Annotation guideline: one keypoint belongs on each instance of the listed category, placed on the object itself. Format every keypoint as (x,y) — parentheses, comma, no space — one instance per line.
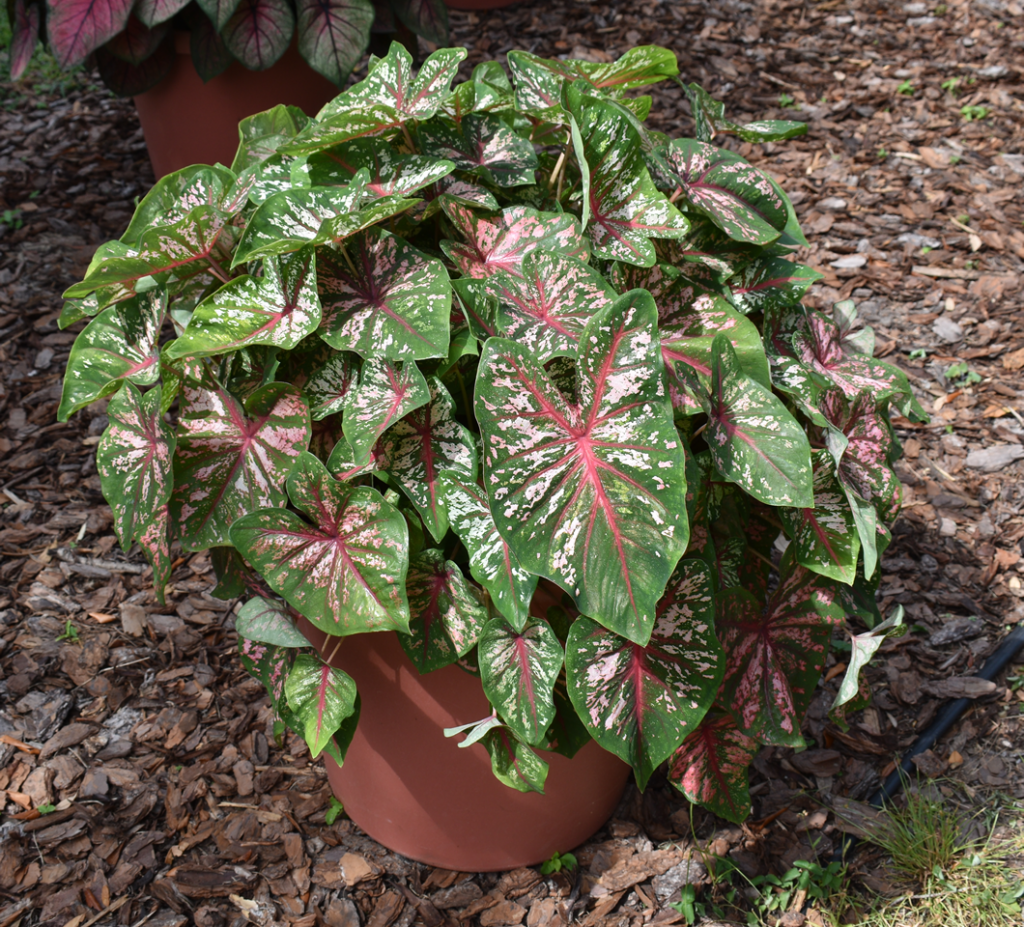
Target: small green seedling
(918,354)
(941,9)
(331,814)
(557,863)
(950,85)
(46,808)
(973,113)
(962,374)
(906,89)
(688,906)
(963,219)
(786,101)
(955,159)
(882,154)
(70,633)
(12,218)
(926,249)
(970,265)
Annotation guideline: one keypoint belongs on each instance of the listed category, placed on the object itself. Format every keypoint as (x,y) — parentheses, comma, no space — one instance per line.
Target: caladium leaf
(321,698)
(329,386)
(770,283)
(259,31)
(492,243)
(710,768)
(391,173)
(232,458)
(709,247)
(128,80)
(709,115)
(862,648)
(482,144)
(639,702)
(775,653)
(151,12)
(420,446)
(388,390)
(219,11)
(734,194)
(137,41)
(824,537)
(260,135)
(119,344)
(567,734)
(345,567)
(491,561)
(513,762)
(518,669)
(175,195)
(210,56)
(427,18)
(333,34)
(754,441)
(233,576)
(591,495)
(267,621)
(547,304)
(24,35)
(270,665)
(393,302)
(448,612)
(853,340)
(78,27)
(279,309)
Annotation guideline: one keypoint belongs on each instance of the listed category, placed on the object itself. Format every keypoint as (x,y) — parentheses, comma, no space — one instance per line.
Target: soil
(168,800)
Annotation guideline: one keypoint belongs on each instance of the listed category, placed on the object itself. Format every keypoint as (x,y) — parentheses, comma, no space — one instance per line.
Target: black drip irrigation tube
(999,660)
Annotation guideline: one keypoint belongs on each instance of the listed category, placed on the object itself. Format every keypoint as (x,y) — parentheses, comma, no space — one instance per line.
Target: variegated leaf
(76,28)
(591,495)
(127,79)
(392,302)
(547,304)
(824,537)
(152,12)
(708,246)
(775,652)
(427,18)
(770,283)
(25,17)
(119,345)
(262,134)
(219,11)
(333,34)
(420,446)
(754,441)
(391,173)
(259,31)
(267,621)
(344,564)
(492,243)
(270,665)
(330,385)
(518,669)
(278,308)
(639,702)
(448,612)
(515,763)
(482,144)
(341,462)
(321,698)
(137,41)
(232,459)
(709,114)
(710,768)
(175,195)
(210,56)
(491,561)
(388,390)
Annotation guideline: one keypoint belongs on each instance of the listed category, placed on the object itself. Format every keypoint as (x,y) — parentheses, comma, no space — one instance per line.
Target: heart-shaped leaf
(639,702)
(546,306)
(775,653)
(345,567)
(710,768)
(734,194)
(492,243)
(78,27)
(137,41)
(219,11)
(388,390)
(25,17)
(491,561)
(129,80)
(333,34)
(151,12)
(590,495)
(391,173)
(709,115)
(175,195)
(420,446)
(769,283)
(262,134)
(210,56)
(279,308)
(119,344)
(427,18)
(270,665)
(267,621)
(513,762)
(448,612)
(259,31)
(232,459)
(329,386)
(484,145)
(754,441)
(392,302)
(708,246)
(321,698)
(825,537)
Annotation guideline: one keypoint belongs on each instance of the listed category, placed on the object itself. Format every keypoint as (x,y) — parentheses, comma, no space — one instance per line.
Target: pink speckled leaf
(710,768)
(484,145)
(333,34)
(388,390)
(546,306)
(259,31)
(391,172)
(591,495)
(491,561)
(514,762)
(519,669)
(232,459)
(491,243)
(397,305)
(152,12)
(770,282)
(218,11)
(448,612)
(640,702)
(420,446)
(119,344)
(709,247)
(343,565)
(320,697)
(269,664)
(754,441)
(78,27)
(175,195)
(824,537)
(734,194)
(329,386)
(24,35)
(268,622)
(775,653)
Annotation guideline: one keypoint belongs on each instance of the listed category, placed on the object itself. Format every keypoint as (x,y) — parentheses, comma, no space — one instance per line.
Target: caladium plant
(448,353)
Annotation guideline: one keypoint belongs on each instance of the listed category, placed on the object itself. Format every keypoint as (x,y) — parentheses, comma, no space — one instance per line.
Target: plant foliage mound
(397,365)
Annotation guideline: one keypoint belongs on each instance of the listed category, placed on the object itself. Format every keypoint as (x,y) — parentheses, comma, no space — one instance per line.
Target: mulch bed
(172,802)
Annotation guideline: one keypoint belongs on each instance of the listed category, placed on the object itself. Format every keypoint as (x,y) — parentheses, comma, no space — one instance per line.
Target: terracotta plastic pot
(421,795)
(188,122)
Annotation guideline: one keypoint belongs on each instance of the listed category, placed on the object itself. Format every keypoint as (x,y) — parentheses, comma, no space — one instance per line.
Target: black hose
(995,664)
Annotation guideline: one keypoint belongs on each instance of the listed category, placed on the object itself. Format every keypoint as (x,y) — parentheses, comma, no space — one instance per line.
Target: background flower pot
(420,794)
(188,122)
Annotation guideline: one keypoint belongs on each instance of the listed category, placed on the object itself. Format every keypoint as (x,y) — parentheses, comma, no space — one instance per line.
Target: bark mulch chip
(140,779)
